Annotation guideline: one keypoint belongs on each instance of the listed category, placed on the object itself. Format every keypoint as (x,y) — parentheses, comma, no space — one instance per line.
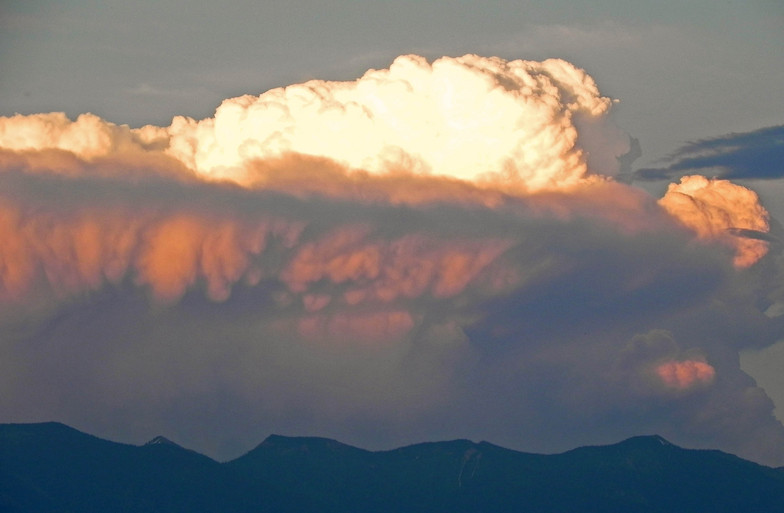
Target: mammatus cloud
(750,155)
(432,251)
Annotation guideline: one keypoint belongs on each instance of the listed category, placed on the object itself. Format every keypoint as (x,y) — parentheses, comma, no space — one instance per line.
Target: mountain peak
(161,440)
(661,440)
(305,443)
(649,440)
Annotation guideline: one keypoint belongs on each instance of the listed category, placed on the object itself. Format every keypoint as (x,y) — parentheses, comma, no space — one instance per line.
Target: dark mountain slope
(48,465)
(670,478)
(53,468)
(306,474)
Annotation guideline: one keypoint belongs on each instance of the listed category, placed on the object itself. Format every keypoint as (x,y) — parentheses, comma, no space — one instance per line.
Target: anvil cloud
(435,250)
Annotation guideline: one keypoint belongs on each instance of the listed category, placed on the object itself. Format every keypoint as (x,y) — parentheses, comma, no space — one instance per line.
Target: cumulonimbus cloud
(429,248)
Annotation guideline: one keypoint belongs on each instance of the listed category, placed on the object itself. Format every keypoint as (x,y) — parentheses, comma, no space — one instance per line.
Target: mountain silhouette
(51,467)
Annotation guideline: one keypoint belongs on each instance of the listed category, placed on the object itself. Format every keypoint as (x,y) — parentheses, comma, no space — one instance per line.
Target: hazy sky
(197,280)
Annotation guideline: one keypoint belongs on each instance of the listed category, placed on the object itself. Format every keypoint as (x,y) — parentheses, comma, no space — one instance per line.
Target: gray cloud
(749,155)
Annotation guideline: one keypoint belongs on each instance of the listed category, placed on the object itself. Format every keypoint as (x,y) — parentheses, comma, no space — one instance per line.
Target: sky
(541,225)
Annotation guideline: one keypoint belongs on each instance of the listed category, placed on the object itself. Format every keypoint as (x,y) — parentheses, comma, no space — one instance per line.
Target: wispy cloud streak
(750,155)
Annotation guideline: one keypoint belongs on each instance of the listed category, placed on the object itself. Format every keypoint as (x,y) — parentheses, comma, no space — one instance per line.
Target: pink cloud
(685,374)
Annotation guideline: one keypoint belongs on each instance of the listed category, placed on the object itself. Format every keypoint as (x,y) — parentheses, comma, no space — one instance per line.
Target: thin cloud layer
(269,269)
(750,155)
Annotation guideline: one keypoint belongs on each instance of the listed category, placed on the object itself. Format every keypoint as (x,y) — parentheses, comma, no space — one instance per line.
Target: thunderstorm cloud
(435,250)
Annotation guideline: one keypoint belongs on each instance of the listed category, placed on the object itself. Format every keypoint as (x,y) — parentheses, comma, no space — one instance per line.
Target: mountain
(51,467)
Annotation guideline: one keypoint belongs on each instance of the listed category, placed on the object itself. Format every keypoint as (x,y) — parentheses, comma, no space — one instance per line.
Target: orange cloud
(713,208)
(685,374)
(178,250)
(333,273)
(71,252)
(83,249)
(385,270)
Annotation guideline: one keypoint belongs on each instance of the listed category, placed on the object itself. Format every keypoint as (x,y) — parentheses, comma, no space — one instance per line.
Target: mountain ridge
(53,467)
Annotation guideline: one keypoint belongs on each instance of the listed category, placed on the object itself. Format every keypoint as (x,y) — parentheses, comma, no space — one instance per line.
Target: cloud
(685,374)
(526,136)
(269,269)
(749,155)
(719,209)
